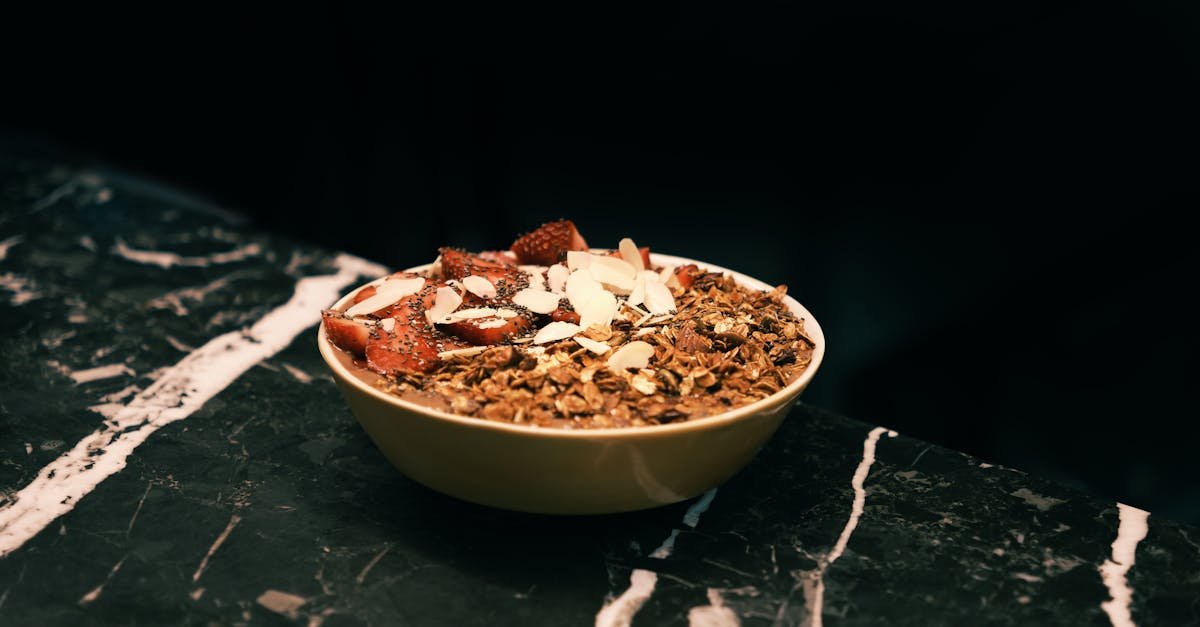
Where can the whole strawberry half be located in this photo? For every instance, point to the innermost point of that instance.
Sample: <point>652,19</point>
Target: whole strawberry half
<point>548,243</point>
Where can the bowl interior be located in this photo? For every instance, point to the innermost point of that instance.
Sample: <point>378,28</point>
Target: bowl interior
<point>812,330</point>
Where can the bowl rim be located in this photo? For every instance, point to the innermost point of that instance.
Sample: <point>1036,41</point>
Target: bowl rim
<point>791,390</point>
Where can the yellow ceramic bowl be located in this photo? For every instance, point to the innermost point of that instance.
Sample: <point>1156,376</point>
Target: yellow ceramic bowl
<point>556,471</point>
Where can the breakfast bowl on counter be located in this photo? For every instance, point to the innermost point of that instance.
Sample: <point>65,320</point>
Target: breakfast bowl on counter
<point>561,379</point>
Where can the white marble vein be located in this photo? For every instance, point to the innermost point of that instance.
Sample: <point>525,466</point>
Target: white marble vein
<point>178,392</point>
<point>174,300</point>
<point>7,244</point>
<point>1132,529</point>
<point>167,259</point>
<point>619,611</point>
<point>814,586</point>
<point>99,373</point>
<point>22,289</point>
<point>212,548</point>
<point>715,614</point>
<point>94,593</point>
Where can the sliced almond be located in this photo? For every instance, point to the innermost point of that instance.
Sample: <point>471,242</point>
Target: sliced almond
<point>386,294</point>
<point>666,276</point>
<point>658,298</point>
<point>643,384</point>
<point>387,324</point>
<point>635,354</point>
<point>555,331</point>
<point>596,347</point>
<point>613,272</point>
<point>462,352</point>
<point>536,274</point>
<point>638,293</point>
<point>479,286</point>
<point>537,301</point>
<point>577,259</point>
<point>470,314</point>
<point>645,331</point>
<point>557,277</point>
<point>446,301</point>
<point>581,288</point>
<point>631,254</point>
<point>490,323</point>
<point>599,309</point>
<point>507,313</point>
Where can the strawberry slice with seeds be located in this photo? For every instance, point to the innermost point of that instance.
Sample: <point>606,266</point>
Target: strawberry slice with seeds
<point>346,334</point>
<point>488,331</point>
<point>547,244</point>
<point>408,350</point>
<point>507,278</point>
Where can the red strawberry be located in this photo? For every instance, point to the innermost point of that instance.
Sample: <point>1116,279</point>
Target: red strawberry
<point>645,250</point>
<point>548,243</point>
<point>345,334</point>
<point>686,275</point>
<point>473,332</point>
<point>408,350</point>
<point>564,315</point>
<point>507,278</point>
<point>364,294</point>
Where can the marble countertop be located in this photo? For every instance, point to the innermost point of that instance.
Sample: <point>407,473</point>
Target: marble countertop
<point>173,451</point>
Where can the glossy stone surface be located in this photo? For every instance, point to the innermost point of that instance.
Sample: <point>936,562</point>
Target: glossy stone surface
<point>267,504</point>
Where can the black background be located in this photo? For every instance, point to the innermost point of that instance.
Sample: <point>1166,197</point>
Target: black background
<point>986,206</point>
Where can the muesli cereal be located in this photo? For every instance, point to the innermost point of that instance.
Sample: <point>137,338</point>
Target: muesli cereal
<point>554,334</point>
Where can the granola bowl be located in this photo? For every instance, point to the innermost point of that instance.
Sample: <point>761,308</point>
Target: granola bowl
<point>562,471</point>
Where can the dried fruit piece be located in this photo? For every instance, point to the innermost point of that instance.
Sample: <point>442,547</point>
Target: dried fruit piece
<point>548,243</point>
<point>686,275</point>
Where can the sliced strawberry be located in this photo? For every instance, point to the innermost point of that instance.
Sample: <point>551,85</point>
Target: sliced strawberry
<point>409,350</point>
<point>507,278</point>
<point>478,332</point>
<point>548,243</point>
<point>345,334</point>
<point>364,294</point>
<point>564,315</point>
<point>686,275</point>
<point>645,250</point>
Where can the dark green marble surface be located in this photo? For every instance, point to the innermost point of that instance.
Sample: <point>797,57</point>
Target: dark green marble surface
<point>267,504</point>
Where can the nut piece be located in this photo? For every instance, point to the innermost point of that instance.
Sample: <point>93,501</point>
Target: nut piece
<point>635,354</point>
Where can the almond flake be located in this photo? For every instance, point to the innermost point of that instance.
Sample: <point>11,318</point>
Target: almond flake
<point>596,347</point>
<point>658,319</point>
<point>479,286</point>
<point>463,352</point>
<point>643,384</point>
<point>613,272</point>
<point>635,354</point>
<point>658,298</point>
<point>642,320</point>
<point>506,313</point>
<point>494,323</point>
<point>599,309</point>
<point>557,276</point>
<point>555,331</point>
<point>446,301</point>
<point>667,277</point>
<point>387,324</point>
<point>535,350</point>
<point>638,293</point>
<point>536,300</point>
<point>577,259</point>
<point>469,314</point>
<point>386,295</point>
<point>631,254</point>
<point>582,288</point>
<point>645,331</point>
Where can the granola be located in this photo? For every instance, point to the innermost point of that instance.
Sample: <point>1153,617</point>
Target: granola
<point>667,345</point>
